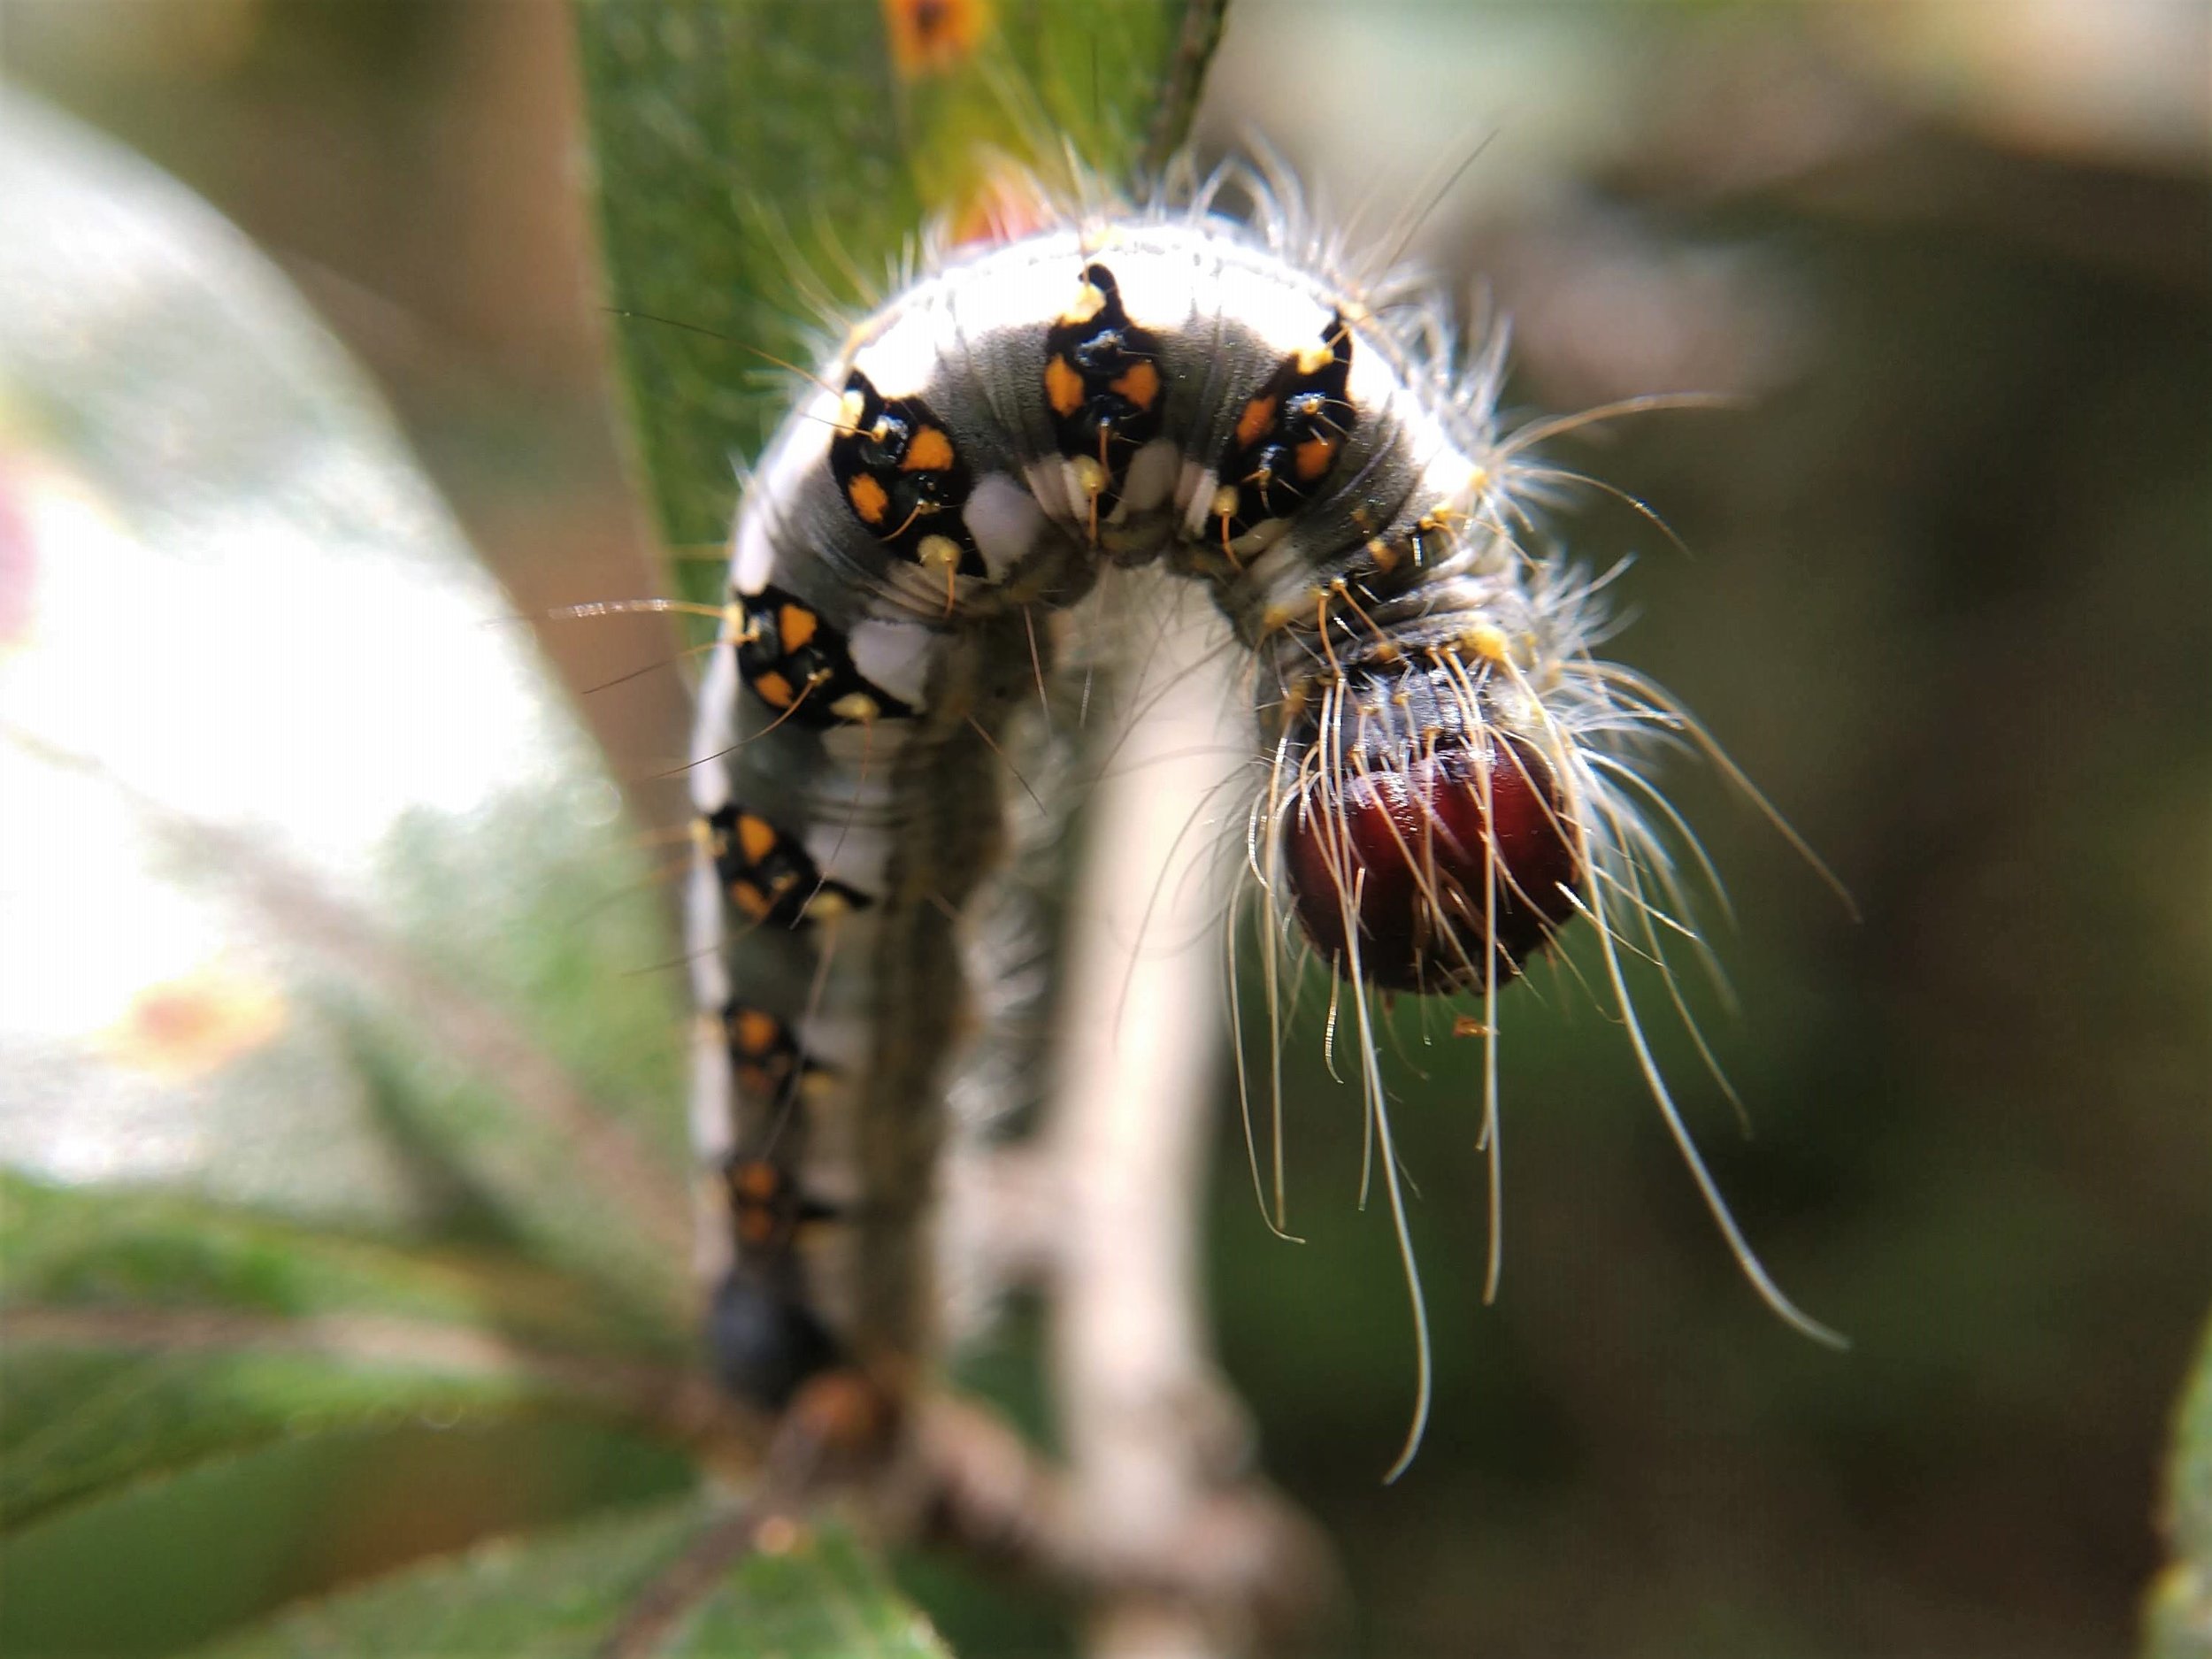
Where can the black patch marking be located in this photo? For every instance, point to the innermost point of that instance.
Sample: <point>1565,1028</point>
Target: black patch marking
<point>765,1055</point>
<point>901,474</point>
<point>801,667</point>
<point>1103,385</point>
<point>1289,434</point>
<point>768,877</point>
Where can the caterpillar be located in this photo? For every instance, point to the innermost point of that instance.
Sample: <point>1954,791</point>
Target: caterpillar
<point>1450,775</point>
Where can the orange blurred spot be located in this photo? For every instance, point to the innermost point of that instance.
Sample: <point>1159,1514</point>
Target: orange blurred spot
<point>757,836</point>
<point>757,1031</point>
<point>779,1535</point>
<point>843,1411</point>
<point>18,566</point>
<point>193,1026</point>
<point>755,1180</point>
<point>932,37</point>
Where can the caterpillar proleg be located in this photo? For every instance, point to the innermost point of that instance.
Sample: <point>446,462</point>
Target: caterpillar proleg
<point>1450,775</point>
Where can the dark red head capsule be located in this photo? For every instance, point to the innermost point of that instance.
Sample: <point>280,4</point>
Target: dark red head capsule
<point>1448,858</point>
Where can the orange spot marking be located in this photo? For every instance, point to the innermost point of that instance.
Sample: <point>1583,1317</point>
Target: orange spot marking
<point>772,689</point>
<point>843,1410</point>
<point>757,836</point>
<point>930,452</point>
<point>748,899</point>
<point>1141,384</point>
<point>755,1180</point>
<point>934,37</point>
<point>869,499</point>
<point>1064,387</point>
<point>755,1032</point>
<point>1259,415</point>
<point>755,1227</point>
<point>1311,458</point>
<point>796,626</point>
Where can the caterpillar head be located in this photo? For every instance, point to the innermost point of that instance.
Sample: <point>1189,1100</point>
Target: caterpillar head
<point>1427,848</point>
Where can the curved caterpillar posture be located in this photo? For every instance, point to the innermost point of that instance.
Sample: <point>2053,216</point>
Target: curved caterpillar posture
<point>1451,775</point>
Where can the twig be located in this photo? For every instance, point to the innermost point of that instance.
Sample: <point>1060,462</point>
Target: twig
<point>1238,1554</point>
<point>1155,1444</point>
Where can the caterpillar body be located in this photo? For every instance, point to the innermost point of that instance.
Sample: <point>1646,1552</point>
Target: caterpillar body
<point>1450,775</point>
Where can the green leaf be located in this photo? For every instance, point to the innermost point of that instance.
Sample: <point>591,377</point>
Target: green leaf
<point>144,1334</point>
<point>62,1248</point>
<point>2180,1611</point>
<point>762,164</point>
<point>562,1593</point>
<point>824,1596</point>
<point>165,1562</point>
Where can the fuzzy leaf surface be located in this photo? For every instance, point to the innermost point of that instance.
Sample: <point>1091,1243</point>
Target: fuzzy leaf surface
<point>765,165</point>
<point>2180,1611</point>
<point>146,1333</point>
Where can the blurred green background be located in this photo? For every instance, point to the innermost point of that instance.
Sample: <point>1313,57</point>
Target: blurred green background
<point>1948,599</point>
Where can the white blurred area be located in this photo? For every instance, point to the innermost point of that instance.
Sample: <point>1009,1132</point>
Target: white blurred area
<point>1559,93</point>
<point>231,604</point>
<point>1511,133</point>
